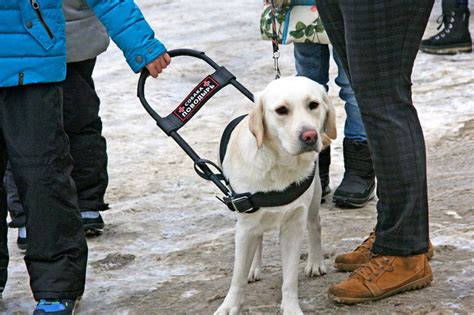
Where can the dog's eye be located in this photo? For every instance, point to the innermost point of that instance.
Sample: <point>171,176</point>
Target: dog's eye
<point>282,110</point>
<point>313,105</point>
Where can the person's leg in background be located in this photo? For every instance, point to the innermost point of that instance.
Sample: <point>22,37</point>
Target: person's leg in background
<point>17,213</point>
<point>312,61</point>
<point>378,42</point>
<point>357,186</point>
<point>455,36</point>
<point>88,147</point>
<point>56,254</point>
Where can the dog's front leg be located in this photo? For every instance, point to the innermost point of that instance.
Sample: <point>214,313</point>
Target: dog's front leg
<point>315,265</point>
<point>290,241</point>
<point>245,246</point>
<point>254,274</point>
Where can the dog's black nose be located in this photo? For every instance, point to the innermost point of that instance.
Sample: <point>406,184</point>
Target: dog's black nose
<point>309,137</point>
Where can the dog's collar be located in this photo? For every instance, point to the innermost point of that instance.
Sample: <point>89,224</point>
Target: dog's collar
<point>249,203</point>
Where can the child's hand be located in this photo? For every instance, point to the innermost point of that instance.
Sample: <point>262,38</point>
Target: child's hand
<point>158,65</point>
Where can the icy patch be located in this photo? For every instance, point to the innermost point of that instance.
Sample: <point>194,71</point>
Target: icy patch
<point>189,294</point>
<point>464,241</point>
<point>453,214</point>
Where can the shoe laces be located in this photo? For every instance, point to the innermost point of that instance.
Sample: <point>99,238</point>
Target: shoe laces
<point>373,268</point>
<point>446,20</point>
<point>367,244</point>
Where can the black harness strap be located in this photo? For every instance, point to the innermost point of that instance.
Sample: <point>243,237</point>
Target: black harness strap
<point>226,136</point>
<point>249,203</point>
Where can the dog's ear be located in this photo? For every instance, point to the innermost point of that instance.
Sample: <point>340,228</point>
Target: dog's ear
<point>256,125</point>
<point>330,131</point>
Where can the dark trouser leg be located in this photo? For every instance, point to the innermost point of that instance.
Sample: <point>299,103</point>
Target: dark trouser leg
<point>378,41</point>
<point>15,208</point>
<point>56,255</point>
<point>84,128</point>
<point>3,213</point>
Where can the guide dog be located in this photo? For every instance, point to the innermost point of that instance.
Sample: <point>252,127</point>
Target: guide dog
<point>276,145</point>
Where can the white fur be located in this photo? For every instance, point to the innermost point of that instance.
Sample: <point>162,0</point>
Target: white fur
<point>265,153</point>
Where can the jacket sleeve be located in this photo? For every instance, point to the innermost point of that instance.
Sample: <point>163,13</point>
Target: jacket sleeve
<point>129,30</point>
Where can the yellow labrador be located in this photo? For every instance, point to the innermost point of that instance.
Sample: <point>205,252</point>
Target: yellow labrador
<point>273,147</point>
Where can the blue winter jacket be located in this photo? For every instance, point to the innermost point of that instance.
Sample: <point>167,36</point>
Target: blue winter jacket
<point>33,42</point>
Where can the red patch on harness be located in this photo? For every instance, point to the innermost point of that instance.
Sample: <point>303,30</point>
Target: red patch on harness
<point>200,95</point>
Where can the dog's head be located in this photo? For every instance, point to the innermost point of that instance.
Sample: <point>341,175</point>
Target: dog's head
<point>294,113</point>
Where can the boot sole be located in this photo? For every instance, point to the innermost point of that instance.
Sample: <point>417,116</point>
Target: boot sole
<point>94,229</point>
<point>448,50</point>
<point>353,202</point>
<point>415,285</point>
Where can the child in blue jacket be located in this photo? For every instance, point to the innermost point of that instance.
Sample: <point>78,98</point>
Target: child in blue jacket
<point>32,137</point>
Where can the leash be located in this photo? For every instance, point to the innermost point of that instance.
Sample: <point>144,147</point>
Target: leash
<point>208,87</point>
<point>276,47</point>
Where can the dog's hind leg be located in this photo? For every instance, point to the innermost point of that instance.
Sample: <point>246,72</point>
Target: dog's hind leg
<point>246,242</point>
<point>315,265</point>
<point>255,269</point>
<point>290,241</point>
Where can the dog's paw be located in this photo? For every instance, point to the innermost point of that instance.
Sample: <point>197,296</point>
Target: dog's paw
<point>227,309</point>
<point>291,308</point>
<point>254,275</point>
<point>315,269</point>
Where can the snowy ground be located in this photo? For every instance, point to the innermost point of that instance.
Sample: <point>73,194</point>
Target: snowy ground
<point>168,244</point>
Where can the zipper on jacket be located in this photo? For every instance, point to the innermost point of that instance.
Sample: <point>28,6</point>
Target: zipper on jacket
<point>21,75</point>
<point>37,9</point>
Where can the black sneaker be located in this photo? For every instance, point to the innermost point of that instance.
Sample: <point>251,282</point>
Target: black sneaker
<point>92,222</point>
<point>358,185</point>
<point>454,37</point>
<point>21,240</point>
<point>55,307</point>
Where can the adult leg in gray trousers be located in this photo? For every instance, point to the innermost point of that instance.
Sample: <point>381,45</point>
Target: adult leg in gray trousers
<point>377,41</point>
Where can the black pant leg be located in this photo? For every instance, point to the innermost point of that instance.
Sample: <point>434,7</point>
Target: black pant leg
<point>382,38</point>
<point>56,255</point>
<point>84,128</point>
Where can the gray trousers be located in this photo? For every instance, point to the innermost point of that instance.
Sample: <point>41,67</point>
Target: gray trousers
<point>377,41</point>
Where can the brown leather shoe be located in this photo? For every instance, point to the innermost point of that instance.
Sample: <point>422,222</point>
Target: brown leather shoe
<point>430,252</point>
<point>382,277</point>
<point>362,254</point>
<point>359,256</point>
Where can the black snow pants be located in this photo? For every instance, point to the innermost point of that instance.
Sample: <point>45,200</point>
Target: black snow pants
<point>88,147</point>
<point>32,138</point>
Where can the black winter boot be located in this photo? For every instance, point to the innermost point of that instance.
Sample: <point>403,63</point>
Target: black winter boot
<point>357,186</point>
<point>454,37</point>
<point>324,163</point>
